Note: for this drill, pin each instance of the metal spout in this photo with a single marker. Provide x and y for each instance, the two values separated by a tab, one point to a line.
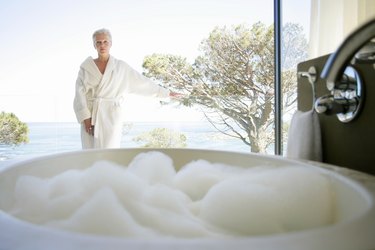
343	80
337	62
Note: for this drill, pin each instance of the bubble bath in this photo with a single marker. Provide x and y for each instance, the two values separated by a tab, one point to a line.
148	198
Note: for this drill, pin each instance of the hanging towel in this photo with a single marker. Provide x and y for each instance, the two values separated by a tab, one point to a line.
304	138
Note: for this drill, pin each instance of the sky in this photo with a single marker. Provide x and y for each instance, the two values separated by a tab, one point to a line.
44	42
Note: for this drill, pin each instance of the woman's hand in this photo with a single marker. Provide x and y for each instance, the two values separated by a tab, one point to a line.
175	95
88	127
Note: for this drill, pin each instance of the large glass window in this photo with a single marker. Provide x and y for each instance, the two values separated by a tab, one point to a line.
219	54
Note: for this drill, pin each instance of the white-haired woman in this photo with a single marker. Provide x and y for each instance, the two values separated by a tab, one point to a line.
100	88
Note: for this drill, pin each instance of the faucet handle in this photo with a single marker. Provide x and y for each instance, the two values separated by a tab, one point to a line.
329	105
345	100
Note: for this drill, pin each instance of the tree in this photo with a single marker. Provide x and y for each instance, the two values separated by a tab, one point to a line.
12	130
233	79
162	138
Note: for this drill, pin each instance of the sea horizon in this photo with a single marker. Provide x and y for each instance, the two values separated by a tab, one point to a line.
56	137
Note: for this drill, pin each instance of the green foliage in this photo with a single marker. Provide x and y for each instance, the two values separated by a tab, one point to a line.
12	130
233	79
162	138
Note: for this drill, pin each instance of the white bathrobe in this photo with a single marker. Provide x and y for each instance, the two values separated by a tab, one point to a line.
100	96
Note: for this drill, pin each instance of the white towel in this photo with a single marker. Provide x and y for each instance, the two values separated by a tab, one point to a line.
304	138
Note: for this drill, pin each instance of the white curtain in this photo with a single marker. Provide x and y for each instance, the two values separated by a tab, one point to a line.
332	20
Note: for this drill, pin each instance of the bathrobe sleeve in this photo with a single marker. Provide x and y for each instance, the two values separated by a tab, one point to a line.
80	102
141	85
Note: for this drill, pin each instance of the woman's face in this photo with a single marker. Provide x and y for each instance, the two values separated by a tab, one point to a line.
102	44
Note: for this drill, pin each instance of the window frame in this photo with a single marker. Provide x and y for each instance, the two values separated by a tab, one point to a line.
277	76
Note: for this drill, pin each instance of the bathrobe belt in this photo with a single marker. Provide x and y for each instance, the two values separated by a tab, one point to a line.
96	103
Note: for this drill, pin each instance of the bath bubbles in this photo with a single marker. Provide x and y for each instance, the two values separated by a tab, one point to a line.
197	177
153	167
149	199
272	201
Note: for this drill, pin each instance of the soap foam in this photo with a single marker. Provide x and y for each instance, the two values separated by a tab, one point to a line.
149	199
154	167
273	201
197	177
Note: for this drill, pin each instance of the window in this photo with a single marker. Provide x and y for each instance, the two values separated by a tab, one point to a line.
218	46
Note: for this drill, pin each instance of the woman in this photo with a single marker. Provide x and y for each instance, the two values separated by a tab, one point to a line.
100	87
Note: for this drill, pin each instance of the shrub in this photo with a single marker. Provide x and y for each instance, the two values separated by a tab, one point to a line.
12	130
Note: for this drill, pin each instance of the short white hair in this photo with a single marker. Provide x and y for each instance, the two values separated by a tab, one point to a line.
102	31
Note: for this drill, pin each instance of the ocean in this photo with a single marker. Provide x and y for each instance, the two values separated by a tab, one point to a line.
49	138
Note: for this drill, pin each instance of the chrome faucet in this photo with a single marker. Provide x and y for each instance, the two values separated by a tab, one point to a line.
342	79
